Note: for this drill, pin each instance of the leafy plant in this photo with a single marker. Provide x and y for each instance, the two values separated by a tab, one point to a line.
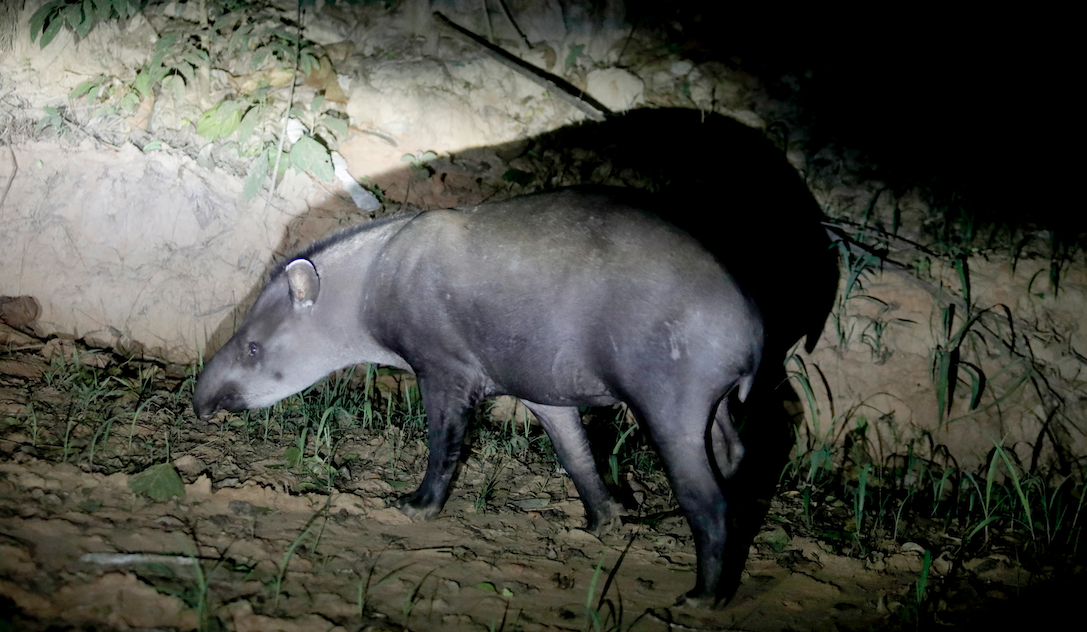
419	162
860	497
859	267
592	615
309	155
79	15
52	118
487	489
276	584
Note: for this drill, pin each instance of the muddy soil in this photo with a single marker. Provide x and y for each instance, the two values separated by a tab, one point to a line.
275	532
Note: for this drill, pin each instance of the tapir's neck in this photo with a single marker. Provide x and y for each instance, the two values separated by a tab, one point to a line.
346	269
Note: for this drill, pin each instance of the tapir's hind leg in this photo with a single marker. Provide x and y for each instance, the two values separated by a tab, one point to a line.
446	422
563	425
680	432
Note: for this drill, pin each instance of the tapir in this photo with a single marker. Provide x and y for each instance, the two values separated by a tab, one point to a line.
576	297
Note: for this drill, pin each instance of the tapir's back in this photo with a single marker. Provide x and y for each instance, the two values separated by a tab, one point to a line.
565	292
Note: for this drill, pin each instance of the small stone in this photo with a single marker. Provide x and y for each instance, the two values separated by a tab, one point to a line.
189	465
201	485
680	68
615	88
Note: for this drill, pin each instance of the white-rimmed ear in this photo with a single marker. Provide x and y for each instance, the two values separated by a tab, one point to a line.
303	282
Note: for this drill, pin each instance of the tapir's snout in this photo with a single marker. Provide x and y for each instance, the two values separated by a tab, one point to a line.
206	402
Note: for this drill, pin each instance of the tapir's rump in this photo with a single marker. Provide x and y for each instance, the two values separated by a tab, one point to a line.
563	299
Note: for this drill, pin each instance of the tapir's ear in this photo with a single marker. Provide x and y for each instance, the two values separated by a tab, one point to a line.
303	281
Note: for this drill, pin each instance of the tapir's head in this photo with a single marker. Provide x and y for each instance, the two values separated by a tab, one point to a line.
281	348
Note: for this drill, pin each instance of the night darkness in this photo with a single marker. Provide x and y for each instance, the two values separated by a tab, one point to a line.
966	104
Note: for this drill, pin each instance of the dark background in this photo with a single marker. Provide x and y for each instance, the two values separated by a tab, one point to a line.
972	104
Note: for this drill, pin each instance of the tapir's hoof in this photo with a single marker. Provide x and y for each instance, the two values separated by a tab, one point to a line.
699	602
609	520
414	507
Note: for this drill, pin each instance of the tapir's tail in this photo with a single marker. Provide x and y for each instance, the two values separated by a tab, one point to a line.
744	386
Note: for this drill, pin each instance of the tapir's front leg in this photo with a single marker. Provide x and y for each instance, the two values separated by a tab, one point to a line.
446	422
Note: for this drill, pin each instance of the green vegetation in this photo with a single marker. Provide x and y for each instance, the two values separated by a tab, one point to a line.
1036	516
259	47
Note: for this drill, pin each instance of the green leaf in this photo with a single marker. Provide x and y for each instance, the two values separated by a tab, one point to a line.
51	31
281	33
130	101
187	71
87	22
337	125
309	63
165	43
249	123
102	9
45	120
196	57
37	21
84	88
293	456
220	121
487	586
142	82
159	482
279	50
318	101
154	145
309	155
254	178
981	525
73	15
575	52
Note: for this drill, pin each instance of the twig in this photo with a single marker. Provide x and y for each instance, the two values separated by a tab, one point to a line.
556	85
286	112
14	171
509	17
487	21
129	559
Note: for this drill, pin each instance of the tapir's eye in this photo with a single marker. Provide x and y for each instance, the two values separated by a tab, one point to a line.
253	349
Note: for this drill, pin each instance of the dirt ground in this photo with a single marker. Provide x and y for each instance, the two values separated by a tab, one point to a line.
260	541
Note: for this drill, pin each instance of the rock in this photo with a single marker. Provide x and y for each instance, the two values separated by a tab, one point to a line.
617	89
19	311
10	338
28	367
189	465
202	485
681	68
580	536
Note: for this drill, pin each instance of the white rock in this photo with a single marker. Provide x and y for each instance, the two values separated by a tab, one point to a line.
616	88
682	67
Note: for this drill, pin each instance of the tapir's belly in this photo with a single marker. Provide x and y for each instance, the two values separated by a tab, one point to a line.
547	372
580	359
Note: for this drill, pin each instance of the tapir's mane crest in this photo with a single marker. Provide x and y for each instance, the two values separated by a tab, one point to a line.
334	239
